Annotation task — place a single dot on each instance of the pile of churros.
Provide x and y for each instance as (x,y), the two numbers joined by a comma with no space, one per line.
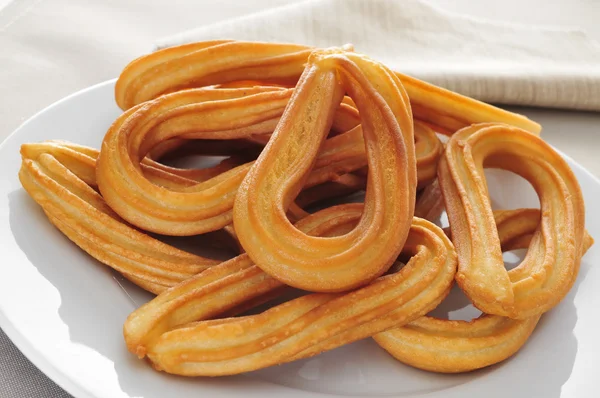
(300,128)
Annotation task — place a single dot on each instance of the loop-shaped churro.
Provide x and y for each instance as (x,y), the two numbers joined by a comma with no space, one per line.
(552,261)
(216,62)
(201,113)
(440,345)
(297,329)
(344,262)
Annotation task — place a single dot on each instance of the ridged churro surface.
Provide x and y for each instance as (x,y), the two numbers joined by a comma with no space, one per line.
(298,130)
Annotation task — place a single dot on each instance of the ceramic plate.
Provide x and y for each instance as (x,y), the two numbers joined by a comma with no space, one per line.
(65,311)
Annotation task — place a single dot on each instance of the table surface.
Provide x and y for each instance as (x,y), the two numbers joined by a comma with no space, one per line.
(52,48)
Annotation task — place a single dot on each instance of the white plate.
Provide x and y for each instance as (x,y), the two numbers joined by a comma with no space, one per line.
(65,311)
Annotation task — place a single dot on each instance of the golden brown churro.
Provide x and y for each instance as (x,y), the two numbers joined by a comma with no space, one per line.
(215,62)
(192,349)
(440,345)
(428,149)
(206,205)
(58,178)
(238,281)
(297,126)
(77,163)
(300,328)
(337,263)
(551,265)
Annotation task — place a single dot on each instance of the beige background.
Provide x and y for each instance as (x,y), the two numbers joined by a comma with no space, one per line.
(51,48)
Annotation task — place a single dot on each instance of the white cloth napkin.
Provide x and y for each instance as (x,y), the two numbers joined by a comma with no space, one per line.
(491,61)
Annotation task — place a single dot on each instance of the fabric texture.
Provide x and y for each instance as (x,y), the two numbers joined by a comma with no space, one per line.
(491,61)
(20,378)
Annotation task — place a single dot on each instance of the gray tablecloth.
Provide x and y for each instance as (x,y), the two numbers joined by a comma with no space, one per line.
(52,48)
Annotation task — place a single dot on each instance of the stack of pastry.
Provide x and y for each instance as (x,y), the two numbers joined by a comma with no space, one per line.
(298,127)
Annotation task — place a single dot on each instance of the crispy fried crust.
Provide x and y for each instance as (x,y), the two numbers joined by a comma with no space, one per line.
(217,62)
(59,177)
(552,262)
(205,202)
(345,262)
(428,149)
(297,329)
(440,345)
(299,125)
